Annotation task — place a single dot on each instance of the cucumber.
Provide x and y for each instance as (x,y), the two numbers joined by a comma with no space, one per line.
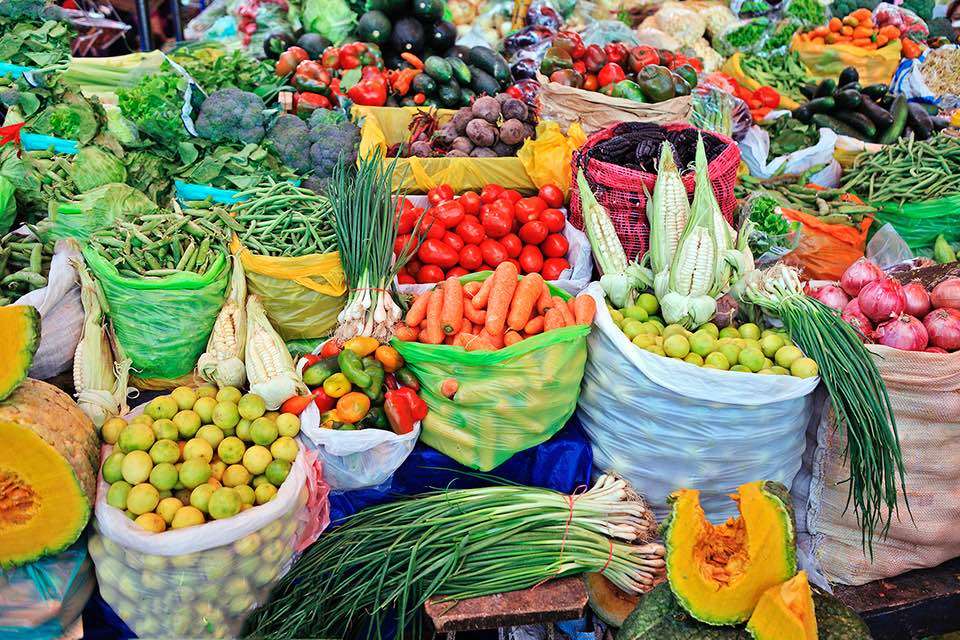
(823,120)
(809,90)
(493,63)
(821,105)
(460,70)
(876,91)
(438,69)
(449,94)
(482,82)
(848,75)
(467,96)
(825,88)
(858,121)
(899,112)
(422,83)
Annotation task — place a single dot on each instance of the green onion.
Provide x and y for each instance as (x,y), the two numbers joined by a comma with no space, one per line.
(387,560)
(858,395)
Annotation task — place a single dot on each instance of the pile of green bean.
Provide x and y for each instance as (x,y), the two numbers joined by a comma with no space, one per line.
(167,242)
(282,220)
(24,266)
(907,171)
(829,205)
(784,71)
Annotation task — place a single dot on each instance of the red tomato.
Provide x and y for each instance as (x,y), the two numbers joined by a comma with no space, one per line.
(457,272)
(471,232)
(511,195)
(512,244)
(493,252)
(531,260)
(528,209)
(435,252)
(534,232)
(406,278)
(430,273)
(310,359)
(440,194)
(555,246)
(471,257)
(432,227)
(553,267)
(407,216)
(453,240)
(485,267)
(413,265)
(331,347)
(552,195)
(449,213)
(322,400)
(470,202)
(400,243)
(554,219)
(472,218)
(490,192)
(498,219)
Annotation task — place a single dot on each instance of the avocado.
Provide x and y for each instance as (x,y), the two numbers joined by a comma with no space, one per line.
(374,26)
(441,36)
(407,35)
(428,10)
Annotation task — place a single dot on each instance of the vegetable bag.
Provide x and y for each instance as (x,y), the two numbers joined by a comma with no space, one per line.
(825,250)
(924,391)
(161,324)
(919,223)
(508,400)
(665,424)
(302,295)
(828,60)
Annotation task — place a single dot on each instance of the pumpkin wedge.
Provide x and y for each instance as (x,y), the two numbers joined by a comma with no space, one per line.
(719,572)
(20,328)
(785,612)
(48,472)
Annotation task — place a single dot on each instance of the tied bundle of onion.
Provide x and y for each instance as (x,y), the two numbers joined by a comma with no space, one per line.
(366,229)
(386,561)
(858,395)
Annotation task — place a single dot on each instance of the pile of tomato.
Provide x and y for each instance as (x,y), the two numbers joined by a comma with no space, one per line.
(477,231)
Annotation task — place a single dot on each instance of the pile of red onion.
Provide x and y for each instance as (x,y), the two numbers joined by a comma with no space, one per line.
(906,317)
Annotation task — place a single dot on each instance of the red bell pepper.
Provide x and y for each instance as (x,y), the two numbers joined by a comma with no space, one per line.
(594,58)
(322,400)
(306,103)
(611,73)
(617,52)
(399,412)
(571,42)
(767,96)
(642,56)
(330,58)
(289,59)
(311,76)
(417,406)
(371,90)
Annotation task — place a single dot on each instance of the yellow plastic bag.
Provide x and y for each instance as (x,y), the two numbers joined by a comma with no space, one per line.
(302,296)
(382,126)
(547,158)
(827,61)
(732,68)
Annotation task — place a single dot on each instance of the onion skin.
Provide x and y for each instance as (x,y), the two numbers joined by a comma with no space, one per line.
(854,317)
(832,296)
(943,328)
(882,300)
(903,332)
(935,350)
(946,294)
(858,275)
(918,300)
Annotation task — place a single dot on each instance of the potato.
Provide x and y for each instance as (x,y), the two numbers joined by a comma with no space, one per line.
(503,97)
(504,150)
(481,132)
(421,149)
(461,118)
(445,135)
(461,144)
(512,132)
(487,108)
(456,153)
(514,109)
(482,152)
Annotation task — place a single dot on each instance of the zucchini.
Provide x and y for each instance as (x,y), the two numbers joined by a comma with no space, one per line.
(858,121)
(876,91)
(848,75)
(899,114)
(842,128)
(493,63)
(825,88)
(880,116)
(847,99)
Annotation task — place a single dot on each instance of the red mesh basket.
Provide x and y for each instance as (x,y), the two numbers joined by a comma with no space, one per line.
(620,189)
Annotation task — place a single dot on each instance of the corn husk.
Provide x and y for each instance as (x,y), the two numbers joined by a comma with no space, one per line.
(222,363)
(271,372)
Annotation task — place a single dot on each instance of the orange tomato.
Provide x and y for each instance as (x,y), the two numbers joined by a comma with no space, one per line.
(352,407)
(835,24)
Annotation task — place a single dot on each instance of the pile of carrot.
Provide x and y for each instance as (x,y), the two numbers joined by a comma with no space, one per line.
(859,30)
(499,312)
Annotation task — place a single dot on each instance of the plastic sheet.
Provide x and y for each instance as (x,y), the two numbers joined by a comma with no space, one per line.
(546,158)
(37,142)
(666,425)
(187,191)
(825,250)
(755,148)
(919,223)
(827,61)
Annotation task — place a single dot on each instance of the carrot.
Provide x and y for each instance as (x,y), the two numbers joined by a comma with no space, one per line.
(495,340)
(474,315)
(846,30)
(511,338)
(405,333)
(479,343)
(434,330)
(504,286)
(483,293)
(470,289)
(818,40)
(561,306)
(467,326)
(418,310)
(534,327)
(460,340)
(584,308)
(449,387)
(528,292)
(452,315)
(850,21)
(449,339)
(553,320)
(820,31)
(545,301)
(882,40)
(862,32)
(835,24)
(861,42)
(862,14)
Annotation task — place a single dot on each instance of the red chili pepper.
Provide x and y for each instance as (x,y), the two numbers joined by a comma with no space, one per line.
(435,252)
(322,400)
(399,412)
(611,73)
(296,404)
(417,405)
(616,52)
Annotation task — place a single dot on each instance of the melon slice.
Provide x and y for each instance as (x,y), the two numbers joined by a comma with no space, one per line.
(20,328)
(719,572)
(48,472)
(785,612)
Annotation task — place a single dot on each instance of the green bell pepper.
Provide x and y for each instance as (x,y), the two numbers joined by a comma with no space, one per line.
(657,83)
(352,367)
(688,73)
(628,90)
(316,373)
(555,59)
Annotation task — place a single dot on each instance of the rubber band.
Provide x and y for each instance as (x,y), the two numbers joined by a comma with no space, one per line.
(571,499)
(609,558)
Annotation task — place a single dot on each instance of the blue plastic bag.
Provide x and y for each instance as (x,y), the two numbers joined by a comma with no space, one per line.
(187,191)
(37,142)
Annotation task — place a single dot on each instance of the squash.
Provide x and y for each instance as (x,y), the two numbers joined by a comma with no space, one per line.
(785,612)
(719,572)
(48,472)
(609,603)
(20,328)
(837,621)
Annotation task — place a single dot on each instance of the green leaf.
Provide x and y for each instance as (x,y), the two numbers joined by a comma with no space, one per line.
(349,78)
(188,152)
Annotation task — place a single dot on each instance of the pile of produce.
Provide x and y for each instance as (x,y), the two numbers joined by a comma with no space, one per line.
(492,127)
(405,26)
(197,455)
(867,113)
(831,206)
(476,232)
(280,219)
(354,70)
(496,312)
(785,72)
(859,29)
(453,81)
(360,384)
(24,265)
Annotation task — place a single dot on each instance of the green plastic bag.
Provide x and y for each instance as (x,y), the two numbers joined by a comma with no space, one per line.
(96,209)
(162,324)
(919,223)
(8,205)
(508,400)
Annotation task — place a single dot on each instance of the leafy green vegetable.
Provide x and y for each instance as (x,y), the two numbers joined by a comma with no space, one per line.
(771,230)
(93,167)
(73,117)
(788,135)
(744,36)
(155,106)
(233,167)
(810,13)
(235,69)
(42,45)
(333,19)
(779,39)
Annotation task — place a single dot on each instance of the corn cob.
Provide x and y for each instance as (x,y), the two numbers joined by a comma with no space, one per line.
(270,368)
(667,211)
(222,362)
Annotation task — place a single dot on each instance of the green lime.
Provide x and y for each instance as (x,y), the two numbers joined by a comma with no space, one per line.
(649,303)
(636,312)
(703,342)
(676,346)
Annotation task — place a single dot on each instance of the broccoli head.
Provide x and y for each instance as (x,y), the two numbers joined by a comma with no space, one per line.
(846,7)
(290,138)
(232,115)
(333,144)
(923,8)
(939,28)
(326,116)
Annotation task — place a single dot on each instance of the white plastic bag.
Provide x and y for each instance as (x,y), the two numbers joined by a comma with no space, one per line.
(355,459)
(665,424)
(908,80)
(755,147)
(61,313)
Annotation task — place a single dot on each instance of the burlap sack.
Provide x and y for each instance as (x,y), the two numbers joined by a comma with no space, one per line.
(925,393)
(595,111)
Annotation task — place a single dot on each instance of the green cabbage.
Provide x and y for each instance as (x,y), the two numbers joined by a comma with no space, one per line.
(93,167)
(332,19)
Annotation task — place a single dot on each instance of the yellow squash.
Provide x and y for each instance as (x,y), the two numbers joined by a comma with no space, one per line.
(20,328)
(785,612)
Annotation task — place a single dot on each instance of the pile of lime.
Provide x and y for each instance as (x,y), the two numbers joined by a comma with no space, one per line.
(197,455)
(747,348)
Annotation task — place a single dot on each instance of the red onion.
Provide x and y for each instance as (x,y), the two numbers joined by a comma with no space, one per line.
(855,318)
(943,327)
(935,350)
(858,275)
(946,294)
(881,300)
(903,332)
(832,296)
(918,300)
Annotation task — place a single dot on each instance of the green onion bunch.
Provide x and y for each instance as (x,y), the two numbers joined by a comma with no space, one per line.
(386,561)
(858,396)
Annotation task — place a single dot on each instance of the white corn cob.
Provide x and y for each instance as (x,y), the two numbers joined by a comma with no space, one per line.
(222,363)
(693,273)
(607,249)
(667,211)
(270,368)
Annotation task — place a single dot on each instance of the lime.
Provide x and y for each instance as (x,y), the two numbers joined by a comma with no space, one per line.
(136,467)
(186,517)
(117,494)
(749,331)
(225,414)
(644,340)
(151,522)
(194,472)
(636,312)
(752,357)
(284,448)
(731,352)
(235,475)
(110,431)
(167,507)
(703,342)
(112,467)
(277,471)
(787,355)
(767,372)
(648,302)
(631,327)
(204,408)
(184,397)
(676,346)
(770,344)
(224,503)
(263,431)
(229,394)
(717,360)
(256,459)
(136,437)
(206,391)
(711,328)
(657,323)
(143,498)
(165,451)
(780,371)
(200,496)
(673,329)
(288,425)
(198,448)
(164,429)
(188,422)
(694,358)
(804,368)
(217,468)
(211,433)
(163,476)
(231,450)
(615,315)
(246,494)
(741,368)
(251,406)
(265,493)
(242,430)
(729,332)
(656,350)
(162,407)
